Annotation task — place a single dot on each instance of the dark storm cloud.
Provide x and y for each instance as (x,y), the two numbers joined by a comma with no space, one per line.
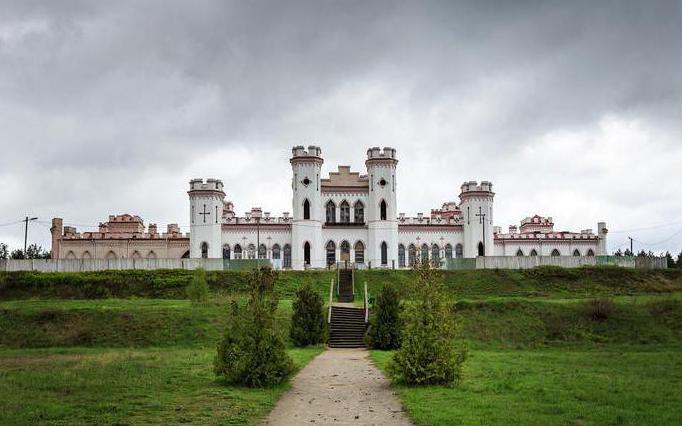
(111,106)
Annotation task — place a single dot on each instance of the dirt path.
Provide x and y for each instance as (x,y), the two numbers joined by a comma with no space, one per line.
(339,387)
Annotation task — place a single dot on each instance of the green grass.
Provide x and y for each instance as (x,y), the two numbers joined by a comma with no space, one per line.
(110,386)
(612,386)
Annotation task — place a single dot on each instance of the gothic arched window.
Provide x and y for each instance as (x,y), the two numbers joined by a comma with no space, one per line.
(306,209)
(204,250)
(401,256)
(276,251)
(251,251)
(384,253)
(382,210)
(359,212)
(226,251)
(555,253)
(237,251)
(481,249)
(262,251)
(286,263)
(533,253)
(448,251)
(306,253)
(331,253)
(412,253)
(425,253)
(435,254)
(359,252)
(590,252)
(331,212)
(576,252)
(345,212)
(519,252)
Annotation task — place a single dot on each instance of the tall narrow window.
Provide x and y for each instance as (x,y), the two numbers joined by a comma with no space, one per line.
(401,256)
(412,253)
(306,253)
(459,251)
(519,252)
(382,210)
(359,252)
(331,212)
(345,251)
(204,250)
(276,251)
(359,212)
(226,251)
(435,254)
(345,212)
(425,253)
(331,253)
(576,252)
(251,251)
(286,263)
(262,251)
(306,209)
(384,253)
(448,251)
(555,253)
(481,249)
(237,251)
(590,252)
(533,253)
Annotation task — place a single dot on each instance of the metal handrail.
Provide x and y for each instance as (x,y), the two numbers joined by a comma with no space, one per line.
(352,280)
(366,305)
(331,296)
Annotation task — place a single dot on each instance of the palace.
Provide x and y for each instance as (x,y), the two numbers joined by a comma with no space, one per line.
(346,217)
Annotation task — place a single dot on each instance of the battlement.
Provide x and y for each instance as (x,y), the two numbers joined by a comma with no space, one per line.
(473,186)
(299,151)
(375,153)
(208,185)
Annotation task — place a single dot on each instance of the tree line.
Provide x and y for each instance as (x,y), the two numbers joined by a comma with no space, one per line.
(672,263)
(34,251)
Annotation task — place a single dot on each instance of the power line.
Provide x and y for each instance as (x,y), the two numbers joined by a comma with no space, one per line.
(662,241)
(662,225)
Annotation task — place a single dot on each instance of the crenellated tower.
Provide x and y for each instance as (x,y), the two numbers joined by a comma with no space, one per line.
(206,199)
(602,248)
(306,228)
(477,211)
(382,217)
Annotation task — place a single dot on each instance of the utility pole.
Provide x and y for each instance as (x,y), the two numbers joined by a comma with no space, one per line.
(26,221)
(481,219)
(632,253)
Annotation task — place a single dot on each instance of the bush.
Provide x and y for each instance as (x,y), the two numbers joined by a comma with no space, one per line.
(599,309)
(197,290)
(308,324)
(384,330)
(429,353)
(252,352)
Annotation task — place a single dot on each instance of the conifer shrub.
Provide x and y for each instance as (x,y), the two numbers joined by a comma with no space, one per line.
(252,352)
(197,290)
(431,351)
(308,323)
(385,323)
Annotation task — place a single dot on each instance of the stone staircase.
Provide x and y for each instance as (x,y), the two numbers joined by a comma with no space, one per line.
(345,285)
(347,327)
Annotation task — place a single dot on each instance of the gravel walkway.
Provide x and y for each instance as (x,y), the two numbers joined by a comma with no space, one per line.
(339,387)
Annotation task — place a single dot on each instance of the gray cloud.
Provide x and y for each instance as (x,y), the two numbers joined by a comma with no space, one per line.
(572,108)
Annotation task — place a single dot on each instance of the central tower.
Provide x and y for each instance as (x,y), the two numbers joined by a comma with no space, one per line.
(306,227)
(382,219)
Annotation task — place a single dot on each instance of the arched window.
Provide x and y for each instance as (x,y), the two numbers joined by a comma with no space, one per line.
(345,212)
(276,251)
(459,251)
(331,253)
(70,255)
(111,256)
(331,212)
(237,251)
(555,253)
(345,251)
(185,255)
(481,249)
(306,253)
(251,251)
(448,251)
(590,252)
(533,253)
(425,253)
(435,254)
(306,209)
(262,251)
(359,252)
(412,254)
(359,212)
(576,252)
(519,252)
(382,210)
(151,255)
(286,262)
(204,250)
(136,255)
(226,251)
(86,255)
(401,256)
(384,253)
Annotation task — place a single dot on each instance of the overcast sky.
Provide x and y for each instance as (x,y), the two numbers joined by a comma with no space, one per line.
(572,109)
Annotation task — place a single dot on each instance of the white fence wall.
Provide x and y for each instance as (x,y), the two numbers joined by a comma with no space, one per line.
(80,265)
(525,262)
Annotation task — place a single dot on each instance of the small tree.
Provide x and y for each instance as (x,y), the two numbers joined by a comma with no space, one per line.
(308,325)
(384,330)
(4,251)
(197,290)
(252,352)
(17,254)
(679,260)
(429,352)
(669,259)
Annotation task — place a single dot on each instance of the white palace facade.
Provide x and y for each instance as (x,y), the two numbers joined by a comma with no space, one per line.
(345,217)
